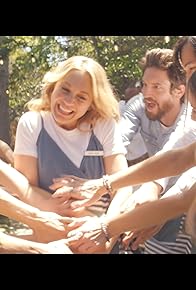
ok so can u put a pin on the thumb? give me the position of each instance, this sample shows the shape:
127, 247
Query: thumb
66, 192
86, 201
75, 224
126, 238
73, 237
67, 220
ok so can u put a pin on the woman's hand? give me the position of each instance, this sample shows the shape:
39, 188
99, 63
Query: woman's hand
86, 192
58, 247
49, 226
134, 239
88, 238
59, 205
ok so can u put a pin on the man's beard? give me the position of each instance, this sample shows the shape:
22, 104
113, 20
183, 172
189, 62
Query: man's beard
155, 117
161, 112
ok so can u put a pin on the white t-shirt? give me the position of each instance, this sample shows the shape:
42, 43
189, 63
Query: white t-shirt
72, 142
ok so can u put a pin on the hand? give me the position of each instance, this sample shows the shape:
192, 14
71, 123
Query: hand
78, 222
50, 226
134, 239
58, 247
88, 238
61, 206
137, 237
85, 191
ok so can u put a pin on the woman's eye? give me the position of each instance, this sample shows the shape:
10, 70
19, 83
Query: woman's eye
82, 98
65, 89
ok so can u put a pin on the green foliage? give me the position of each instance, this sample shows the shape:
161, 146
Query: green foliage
30, 57
119, 55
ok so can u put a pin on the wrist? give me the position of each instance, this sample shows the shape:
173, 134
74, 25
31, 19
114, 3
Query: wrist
105, 231
107, 185
38, 248
33, 217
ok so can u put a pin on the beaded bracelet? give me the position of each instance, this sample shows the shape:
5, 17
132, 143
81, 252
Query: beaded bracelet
107, 184
105, 231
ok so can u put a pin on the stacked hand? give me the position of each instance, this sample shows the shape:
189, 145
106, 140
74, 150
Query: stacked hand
84, 191
135, 238
50, 226
58, 247
88, 237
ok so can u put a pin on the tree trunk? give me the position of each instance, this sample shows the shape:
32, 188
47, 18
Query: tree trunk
4, 97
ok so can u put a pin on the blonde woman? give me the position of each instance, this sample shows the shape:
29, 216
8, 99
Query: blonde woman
71, 129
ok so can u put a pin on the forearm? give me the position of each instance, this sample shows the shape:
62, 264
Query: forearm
149, 191
12, 179
18, 184
119, 201
36, 197
149, 214
117, 205
169, 163
18, 210
9, 244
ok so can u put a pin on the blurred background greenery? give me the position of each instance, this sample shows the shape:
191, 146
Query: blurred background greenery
25, 59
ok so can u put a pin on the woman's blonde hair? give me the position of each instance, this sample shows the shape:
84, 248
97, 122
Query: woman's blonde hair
104, 104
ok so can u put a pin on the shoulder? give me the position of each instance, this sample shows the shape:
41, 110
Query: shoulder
122, 106
109, 135
107, 129
121, 102
136, 102
104, 124
30, 120
29, 116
